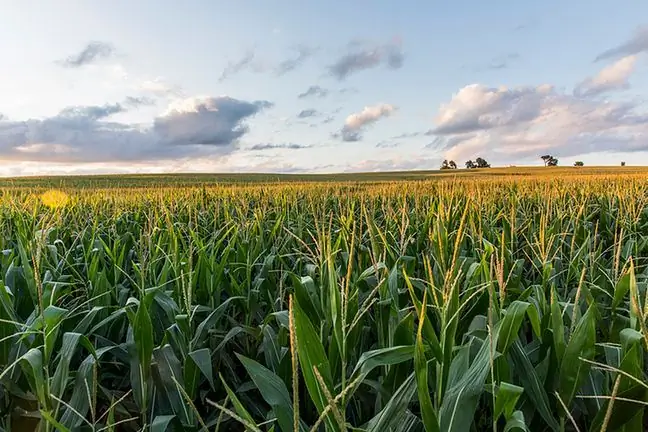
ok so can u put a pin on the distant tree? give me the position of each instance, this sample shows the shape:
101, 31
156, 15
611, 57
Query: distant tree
445, 165
579, 164
452, 164
481, 163
470, 164
549, 160
622, 163
546, 159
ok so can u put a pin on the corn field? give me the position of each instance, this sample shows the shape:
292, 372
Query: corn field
450, 305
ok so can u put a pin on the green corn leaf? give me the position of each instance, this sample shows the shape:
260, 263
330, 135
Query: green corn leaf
510, 325
390, 416
312, 355
52, 317
621, 290
557, 326
461, 399
430, 420
307, 295
429, 333
170, 377
573, 370
534, 319
533, 386
202, 359
630, 404
51, 420
161, 422
32, 365
515, 423
238, 406
82, 394
274, 392
68, 349
272, 351
507, 397
201, 331
370, 360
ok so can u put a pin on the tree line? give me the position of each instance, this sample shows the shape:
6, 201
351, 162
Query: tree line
548, 160
478, 163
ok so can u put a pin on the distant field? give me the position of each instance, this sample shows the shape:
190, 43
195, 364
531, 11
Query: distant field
148, 180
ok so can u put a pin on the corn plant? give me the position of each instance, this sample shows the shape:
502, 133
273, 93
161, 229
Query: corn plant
454, 304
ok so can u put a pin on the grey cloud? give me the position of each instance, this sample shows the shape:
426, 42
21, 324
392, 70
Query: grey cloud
269, 146
195, 128
91, 112
406, 135
314, 91
448, 142
303, 53
362, 56
236, 67
138, 101
349, 135
638, 43
249, 63
395, 56
92, 53
98, 112
213, 121
387, 144
307, 113
503, 62
526, 25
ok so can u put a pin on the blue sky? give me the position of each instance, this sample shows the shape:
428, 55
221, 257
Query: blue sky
164, 86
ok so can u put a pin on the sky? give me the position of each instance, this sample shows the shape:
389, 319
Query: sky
90, 86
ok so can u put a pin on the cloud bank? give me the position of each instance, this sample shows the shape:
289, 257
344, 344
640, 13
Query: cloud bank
191, 127
524, 122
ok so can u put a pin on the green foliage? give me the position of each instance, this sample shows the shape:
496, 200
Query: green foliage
446, 304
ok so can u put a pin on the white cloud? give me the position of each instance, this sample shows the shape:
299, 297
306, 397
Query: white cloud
159, 87
355, 123
362, 56
613, 77
395, 163
509, 124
